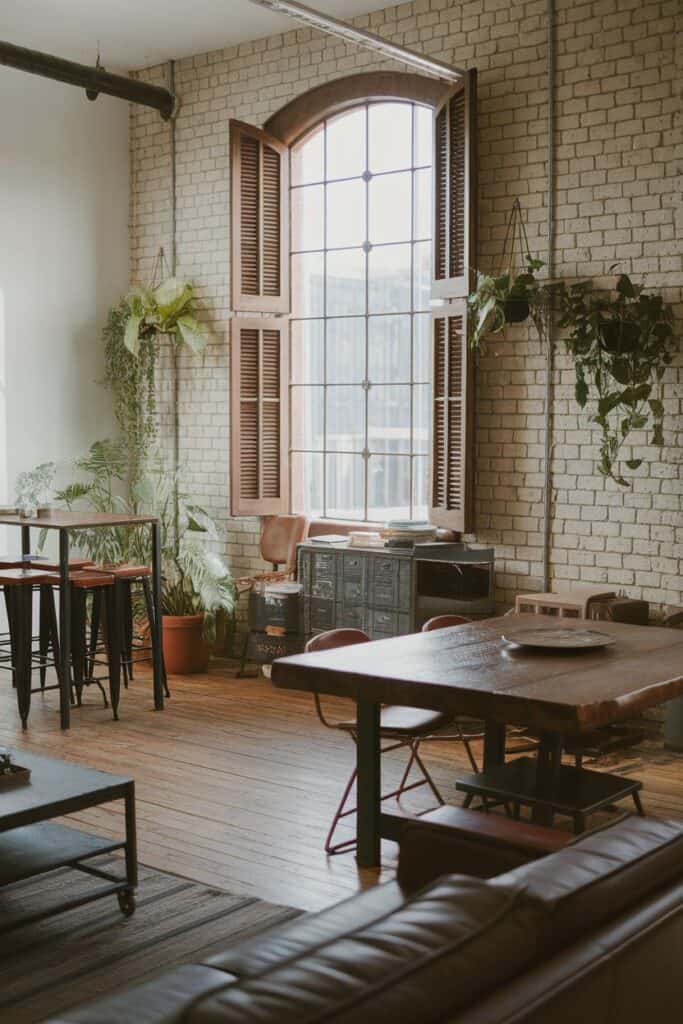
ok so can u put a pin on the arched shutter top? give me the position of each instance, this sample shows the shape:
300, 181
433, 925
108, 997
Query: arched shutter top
455, 187
260, 222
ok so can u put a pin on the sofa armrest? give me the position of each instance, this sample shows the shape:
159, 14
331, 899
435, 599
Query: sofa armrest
455, 840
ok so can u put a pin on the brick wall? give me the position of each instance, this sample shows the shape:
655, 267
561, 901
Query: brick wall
616, 200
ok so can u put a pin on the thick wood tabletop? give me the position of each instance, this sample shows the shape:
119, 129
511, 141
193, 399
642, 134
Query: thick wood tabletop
60, 520
469, 669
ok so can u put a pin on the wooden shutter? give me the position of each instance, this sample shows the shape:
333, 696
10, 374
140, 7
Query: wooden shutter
259, 357
455, 192
260, 223
452, 462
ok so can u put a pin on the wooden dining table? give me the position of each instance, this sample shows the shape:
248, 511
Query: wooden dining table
471, 670
64, 523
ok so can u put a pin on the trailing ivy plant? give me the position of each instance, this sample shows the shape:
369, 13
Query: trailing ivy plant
131, 348
621, 344
499, 301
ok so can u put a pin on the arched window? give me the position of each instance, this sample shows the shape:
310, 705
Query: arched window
351, 378
360, 201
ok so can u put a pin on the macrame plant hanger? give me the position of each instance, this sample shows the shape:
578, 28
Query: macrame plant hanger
515, 239
160, 269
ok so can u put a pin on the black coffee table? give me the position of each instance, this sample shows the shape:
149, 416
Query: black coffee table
32, 844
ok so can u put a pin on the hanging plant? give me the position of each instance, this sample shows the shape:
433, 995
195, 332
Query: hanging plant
621, 345
503, 300
131, 346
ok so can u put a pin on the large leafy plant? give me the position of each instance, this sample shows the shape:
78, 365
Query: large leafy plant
621, 343
167, 310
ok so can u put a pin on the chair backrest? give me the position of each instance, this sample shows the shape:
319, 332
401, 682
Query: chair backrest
327, 642
336, 638
279, 538
443, 622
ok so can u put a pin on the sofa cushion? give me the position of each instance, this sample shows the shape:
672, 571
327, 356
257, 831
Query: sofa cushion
294, 938
439, 951
595, 879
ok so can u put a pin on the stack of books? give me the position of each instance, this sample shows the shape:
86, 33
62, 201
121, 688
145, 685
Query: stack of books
404, 532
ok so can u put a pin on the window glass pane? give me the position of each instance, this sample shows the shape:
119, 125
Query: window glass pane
389, 137
422, 189
421, 419
307, 417
307, 218
389, 418
389, 279
345, 350
422, 275
424, 134
390, 213
345, 486
422, 347
388, 487
388, 348
420, 488
345, 282
307, 483
345, 418
345, 214
307, 285
307, 351
307, 158
346, 145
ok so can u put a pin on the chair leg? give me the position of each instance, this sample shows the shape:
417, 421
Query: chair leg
44, 632
95, 618
429, 780
113, 612
639, 805
149, 606
22, 615
9, 609
79, 663
338, 815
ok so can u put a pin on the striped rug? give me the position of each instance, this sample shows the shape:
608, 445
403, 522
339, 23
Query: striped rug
77, 956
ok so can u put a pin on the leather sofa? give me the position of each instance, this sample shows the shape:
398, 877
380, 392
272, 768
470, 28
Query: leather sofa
592, 933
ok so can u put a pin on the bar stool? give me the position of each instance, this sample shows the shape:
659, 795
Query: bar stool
132, 645
18, 584
84, 582
47, 638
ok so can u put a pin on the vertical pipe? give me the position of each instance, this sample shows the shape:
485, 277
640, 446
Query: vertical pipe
550, 260
174, 263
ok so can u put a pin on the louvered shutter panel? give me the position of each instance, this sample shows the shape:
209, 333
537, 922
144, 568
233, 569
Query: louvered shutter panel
259, 434
260, 222
452, 462
455, 192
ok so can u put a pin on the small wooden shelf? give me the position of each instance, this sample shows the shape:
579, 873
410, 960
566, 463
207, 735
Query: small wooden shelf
35, 849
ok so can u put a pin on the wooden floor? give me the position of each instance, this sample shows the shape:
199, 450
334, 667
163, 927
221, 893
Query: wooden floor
237, 782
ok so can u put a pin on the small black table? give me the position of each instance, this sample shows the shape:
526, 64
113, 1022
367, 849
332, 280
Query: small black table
32, 844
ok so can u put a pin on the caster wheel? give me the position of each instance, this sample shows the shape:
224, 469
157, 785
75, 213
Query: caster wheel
127, 903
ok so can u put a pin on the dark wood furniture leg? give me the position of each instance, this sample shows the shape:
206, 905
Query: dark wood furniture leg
494, 743
369, 784
157, 667
127, 897
64, 631
548, 763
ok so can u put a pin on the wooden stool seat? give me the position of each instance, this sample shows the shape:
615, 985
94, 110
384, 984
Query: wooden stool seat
83, 579
22, 577
11, 562
74, 564
125, 572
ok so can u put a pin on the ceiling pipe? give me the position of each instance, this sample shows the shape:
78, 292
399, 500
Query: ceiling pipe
93, 79
369, 40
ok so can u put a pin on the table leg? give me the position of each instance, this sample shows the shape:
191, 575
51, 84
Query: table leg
25, 541
494, 743
548, 763
156, 626
127, 898
368, 784
64, 631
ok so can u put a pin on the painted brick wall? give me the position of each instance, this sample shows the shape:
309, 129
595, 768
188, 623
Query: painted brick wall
617, 199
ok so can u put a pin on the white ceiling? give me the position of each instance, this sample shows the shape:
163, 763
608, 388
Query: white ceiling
137, 33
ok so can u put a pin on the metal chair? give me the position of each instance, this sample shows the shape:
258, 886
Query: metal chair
401, 727
445, 622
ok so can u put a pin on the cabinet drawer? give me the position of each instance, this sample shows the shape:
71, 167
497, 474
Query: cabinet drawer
323, 575
321, 614
352, 616
384, 623
384, 586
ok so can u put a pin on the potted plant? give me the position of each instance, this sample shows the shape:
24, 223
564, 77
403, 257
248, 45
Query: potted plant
34, 489
168, 309
621, 343
498, 301
196, 585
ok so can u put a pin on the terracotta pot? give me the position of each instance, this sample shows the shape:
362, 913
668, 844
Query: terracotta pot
185, 651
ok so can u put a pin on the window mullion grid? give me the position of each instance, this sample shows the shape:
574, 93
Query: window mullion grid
366, 457
325, 320
411, 446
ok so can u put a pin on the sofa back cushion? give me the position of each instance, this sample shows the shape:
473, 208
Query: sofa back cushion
600, 876
443, 949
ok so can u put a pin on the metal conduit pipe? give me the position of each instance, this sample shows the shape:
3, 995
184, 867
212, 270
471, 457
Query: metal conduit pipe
94, 80
550, 327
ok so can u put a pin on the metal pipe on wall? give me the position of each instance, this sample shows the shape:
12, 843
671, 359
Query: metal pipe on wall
93, 79
550, 339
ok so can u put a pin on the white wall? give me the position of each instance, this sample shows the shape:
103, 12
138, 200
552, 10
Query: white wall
63, 261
